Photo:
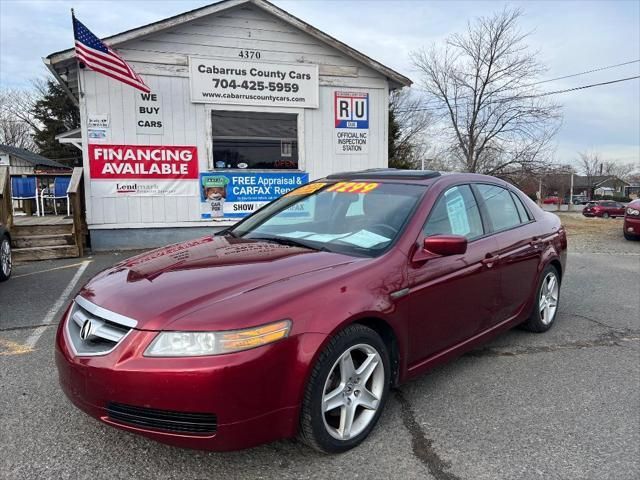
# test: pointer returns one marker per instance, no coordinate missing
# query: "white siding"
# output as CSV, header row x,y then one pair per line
x,y
162,59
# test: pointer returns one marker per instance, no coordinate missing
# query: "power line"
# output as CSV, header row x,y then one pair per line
x,y
544,94
581,87
584,73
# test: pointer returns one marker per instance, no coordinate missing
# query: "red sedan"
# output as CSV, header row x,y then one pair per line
x,y
604,209
631,226
299,319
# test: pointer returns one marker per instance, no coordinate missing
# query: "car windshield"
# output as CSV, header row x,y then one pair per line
x,y
355,218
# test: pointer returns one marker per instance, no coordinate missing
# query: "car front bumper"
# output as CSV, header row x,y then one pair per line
x,y
632,225
254,396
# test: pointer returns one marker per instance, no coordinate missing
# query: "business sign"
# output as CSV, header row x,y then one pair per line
x,y
351,121
144,188
253,83
98,120
148,114
236,195
351,110
117,162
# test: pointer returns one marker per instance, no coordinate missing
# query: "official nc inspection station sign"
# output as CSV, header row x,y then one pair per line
x,y
236,195
253,83
351,121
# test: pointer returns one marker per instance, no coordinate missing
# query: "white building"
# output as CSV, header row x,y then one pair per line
x,y
247,102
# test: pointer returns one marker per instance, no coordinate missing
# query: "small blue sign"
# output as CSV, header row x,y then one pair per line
x,y
236,195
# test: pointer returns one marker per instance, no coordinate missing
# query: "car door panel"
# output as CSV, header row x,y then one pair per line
x,y
519,250
440,316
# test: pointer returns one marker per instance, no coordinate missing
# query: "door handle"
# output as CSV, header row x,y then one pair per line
x,y
490,260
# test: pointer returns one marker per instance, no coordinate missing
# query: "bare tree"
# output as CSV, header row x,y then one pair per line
x,y
590,163
408,123
620,170
17,119
482,87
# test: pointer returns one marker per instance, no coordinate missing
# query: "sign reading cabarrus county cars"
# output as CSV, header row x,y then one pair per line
x,y
253,83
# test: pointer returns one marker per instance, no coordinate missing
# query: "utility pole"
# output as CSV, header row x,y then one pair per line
x,y
570,207
540,190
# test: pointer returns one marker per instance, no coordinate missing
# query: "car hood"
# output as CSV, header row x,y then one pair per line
x,y
158,287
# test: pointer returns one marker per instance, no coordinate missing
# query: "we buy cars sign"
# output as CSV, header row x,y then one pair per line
x,y
113,162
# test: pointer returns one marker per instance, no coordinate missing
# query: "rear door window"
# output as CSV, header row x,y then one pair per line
x,y
524,214
455,213
500,207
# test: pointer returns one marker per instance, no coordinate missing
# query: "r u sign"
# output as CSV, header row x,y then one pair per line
x,y
351,110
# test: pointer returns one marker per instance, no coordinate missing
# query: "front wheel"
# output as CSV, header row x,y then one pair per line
x,y
605,215
346,392
5,258
546,306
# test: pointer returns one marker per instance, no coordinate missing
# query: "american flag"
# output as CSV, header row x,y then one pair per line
x,y
100,58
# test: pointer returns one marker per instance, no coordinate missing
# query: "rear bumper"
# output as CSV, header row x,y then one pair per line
x,y
255,395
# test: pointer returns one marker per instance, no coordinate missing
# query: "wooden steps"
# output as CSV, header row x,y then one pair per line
x,y
30,254
43,241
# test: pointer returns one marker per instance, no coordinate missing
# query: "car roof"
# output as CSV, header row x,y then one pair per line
x,y
421,177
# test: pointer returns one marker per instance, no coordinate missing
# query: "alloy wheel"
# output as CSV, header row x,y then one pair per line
x,y
5,257
352,392
548,302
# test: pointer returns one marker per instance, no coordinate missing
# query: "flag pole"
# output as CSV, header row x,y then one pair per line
x,y
73,26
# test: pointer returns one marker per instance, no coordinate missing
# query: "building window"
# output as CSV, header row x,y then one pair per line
x,y
257,140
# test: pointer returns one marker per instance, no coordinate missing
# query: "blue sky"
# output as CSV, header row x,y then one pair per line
x,y
572,36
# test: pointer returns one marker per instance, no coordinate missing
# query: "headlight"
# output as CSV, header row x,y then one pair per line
x,y
633,211
194,344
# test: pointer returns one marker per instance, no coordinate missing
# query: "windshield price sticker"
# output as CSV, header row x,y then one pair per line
x,y
306,189
353,187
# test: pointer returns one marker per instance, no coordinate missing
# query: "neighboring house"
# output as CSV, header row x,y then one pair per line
x,y
24,162
608,185
632,191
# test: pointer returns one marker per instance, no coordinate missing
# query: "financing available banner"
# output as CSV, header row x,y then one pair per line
x,y
160,162
236,195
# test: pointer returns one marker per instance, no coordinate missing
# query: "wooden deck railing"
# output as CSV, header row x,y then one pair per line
x,y
6,210
76,198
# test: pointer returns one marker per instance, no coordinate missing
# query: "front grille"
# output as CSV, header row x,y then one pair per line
x,y
94,330
163,420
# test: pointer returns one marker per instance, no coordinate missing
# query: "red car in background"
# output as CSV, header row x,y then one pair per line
x,y
604,209
300,318
631,226
552,200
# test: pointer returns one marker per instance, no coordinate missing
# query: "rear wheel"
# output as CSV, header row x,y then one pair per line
x,y
5,258
546,306
605,215
346,392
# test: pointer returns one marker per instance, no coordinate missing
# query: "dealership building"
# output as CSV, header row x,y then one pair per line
x,y
246,103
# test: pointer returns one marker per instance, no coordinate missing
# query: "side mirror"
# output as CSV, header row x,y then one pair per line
x,y
441,246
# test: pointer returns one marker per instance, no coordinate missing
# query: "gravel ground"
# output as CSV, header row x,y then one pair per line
x,y
596,235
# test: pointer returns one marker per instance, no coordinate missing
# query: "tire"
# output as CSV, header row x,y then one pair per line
x,y
6,264
541,319
325,427
605,215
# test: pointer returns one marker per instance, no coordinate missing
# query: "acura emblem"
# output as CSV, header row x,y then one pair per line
x,y
86,330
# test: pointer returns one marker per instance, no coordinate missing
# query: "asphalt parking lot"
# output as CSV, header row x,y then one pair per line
x,y
561,405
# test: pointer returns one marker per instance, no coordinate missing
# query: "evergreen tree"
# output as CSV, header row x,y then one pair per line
x,y
56,114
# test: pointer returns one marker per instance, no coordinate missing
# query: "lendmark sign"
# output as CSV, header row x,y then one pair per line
x,y
143,161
